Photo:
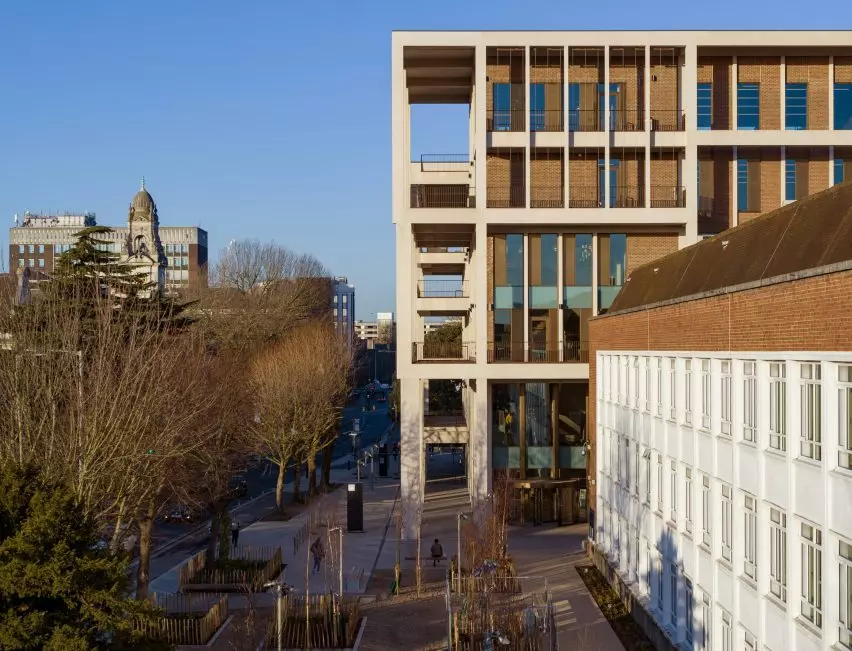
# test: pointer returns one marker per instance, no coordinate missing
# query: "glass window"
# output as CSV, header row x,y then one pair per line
x,y
689,606
334,299
344,312
31,248
796,103
727,631
20,262
790,180
672,390
778,406
612,267
778,553
705,393
845,617
660,483
705,107
726,397
687,392
706,621
20,248
659,386
31,262
749,401
343,298
41,262
811,410
687,498
673,594
844,414
842,106
838,171
673,490
748,106
742,185
812,574
727,522
537,107
646,456
41,248
750,536
659,565
749,641
184,248
502,102
706,515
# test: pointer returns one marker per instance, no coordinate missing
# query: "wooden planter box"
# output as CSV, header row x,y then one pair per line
x,y
327,630
186,622
195,577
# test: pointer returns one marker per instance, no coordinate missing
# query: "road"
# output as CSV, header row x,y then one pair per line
x,y
259,500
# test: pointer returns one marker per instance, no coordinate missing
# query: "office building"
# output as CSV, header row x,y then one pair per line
x,y
722,447
343,306
367,330
589,154
38,240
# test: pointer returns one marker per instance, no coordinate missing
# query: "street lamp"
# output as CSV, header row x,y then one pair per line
x,y
339,530
281,590
459,517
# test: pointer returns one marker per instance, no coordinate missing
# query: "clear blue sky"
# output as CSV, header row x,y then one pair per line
x,y
253,119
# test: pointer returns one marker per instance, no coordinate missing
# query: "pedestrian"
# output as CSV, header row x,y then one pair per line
x,y
235,533
437,552
318,553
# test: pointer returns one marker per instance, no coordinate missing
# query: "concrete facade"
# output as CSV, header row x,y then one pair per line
x,y
581,165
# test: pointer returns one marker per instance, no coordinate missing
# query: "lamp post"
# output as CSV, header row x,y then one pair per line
x,y
281,589
339,530
459,517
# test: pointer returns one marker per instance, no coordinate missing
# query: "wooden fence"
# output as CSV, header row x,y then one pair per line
x,y
194,576
332,623
182,623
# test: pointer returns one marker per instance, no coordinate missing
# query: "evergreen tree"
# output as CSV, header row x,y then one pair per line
x,y
58,591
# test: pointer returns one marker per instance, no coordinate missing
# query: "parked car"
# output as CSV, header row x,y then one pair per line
x,y
179,513
238,486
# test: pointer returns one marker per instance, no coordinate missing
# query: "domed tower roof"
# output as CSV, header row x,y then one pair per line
x,y
143,200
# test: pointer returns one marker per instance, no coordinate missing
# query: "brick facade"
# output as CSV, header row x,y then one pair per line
x,y
643,248
766,71
812,71
718,71
665,89
768,161
628,69
546,178
843,70
806,315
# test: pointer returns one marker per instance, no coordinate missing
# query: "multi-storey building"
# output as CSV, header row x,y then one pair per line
x,y
343,306
37,241
589,154
722,435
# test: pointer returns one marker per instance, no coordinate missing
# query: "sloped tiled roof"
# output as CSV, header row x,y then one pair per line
x,y
808,234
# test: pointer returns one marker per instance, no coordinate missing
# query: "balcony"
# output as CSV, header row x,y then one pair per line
x,y
506,196
627,120
664,196
506,119
584,120
442,163
443,289
627,196
667,121
452,418
443,352
573,351
445,427
442,196
546,197
585,196
546,120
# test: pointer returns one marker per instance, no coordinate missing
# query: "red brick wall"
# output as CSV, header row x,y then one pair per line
x,y
808,315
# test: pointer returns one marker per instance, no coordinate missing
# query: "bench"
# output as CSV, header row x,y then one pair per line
x,y
353,579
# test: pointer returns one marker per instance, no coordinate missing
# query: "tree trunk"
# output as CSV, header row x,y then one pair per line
x,y
312,474
326,467
116,534
297,477
215,519
143,572
279,487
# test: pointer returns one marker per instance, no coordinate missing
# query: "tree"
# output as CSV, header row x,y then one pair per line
x,y
444,395
58,591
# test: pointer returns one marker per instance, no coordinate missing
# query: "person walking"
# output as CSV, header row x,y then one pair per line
x,y
437,552
235,533
318,553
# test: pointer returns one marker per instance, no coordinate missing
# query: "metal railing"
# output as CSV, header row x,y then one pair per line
x,y
506,196
667,196
443,351
451,418
667,121
585,196
444,162
506,119
627,120
627,196
546,197
442,289
573,351
442,196
546,120
584,120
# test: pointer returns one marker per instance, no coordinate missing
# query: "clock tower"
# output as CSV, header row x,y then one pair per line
x,y
143,249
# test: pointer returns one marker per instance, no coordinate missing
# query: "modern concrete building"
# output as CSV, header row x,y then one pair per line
x,y
37,241
722,435
588,155
343,306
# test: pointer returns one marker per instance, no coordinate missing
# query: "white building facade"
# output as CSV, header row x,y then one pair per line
x,y
724,487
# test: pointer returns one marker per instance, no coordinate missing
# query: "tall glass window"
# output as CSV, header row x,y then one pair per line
x,y
796,111
839,176
842,106
508,334
543,299
705,107
502,99
576,295
748,106
742,185
537,107
505,441
790,180
612,267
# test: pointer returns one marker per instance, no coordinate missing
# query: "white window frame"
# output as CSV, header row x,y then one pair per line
x,y
811,410
659,395
749,641
689,607
646,456
658,564
672,389
673,490
706,621
749,401
727,522
687,498
844,416
750,536
660,488
673,594
628,463
778,553
726,397
646,394
635,371
706,393
727,630
811,604
687,391
636,468
706,512
844,635
778,406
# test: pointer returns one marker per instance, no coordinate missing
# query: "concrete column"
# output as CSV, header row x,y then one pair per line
x,y
481,299
606,127
565,120
735,213
831,92
412,470
689,168
480,139
480,443
522,428
734,81
527,124
594,273
526,297
647,102
783,100
399,127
